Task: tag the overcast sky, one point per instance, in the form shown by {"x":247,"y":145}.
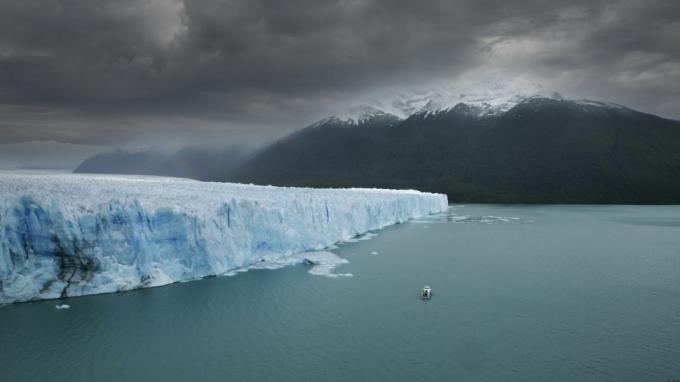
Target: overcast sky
{"x":145,"y":72}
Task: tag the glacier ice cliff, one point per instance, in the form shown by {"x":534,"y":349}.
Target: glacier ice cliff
{"x":69,"y":235}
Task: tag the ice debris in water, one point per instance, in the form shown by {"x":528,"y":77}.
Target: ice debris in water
{"x":366,"y":236}
{"x":322,"y":263}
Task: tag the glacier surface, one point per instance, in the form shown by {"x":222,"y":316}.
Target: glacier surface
{"x":73,"y":234}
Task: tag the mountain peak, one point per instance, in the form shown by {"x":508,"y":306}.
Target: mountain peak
{"x":584,"y":104}
{"x":483,"y":103}
{"x":487,"y":97}
{"x":357,"y":116}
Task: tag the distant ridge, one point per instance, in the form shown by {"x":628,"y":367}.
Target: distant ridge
{"x":190,"y":162}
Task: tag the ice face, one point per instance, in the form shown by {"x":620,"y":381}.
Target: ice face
{"x":69,"y":235}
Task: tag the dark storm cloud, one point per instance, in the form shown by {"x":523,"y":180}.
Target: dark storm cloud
{"x":137,"y":68}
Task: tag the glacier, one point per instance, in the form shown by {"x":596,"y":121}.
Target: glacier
{"x":64,"y":235}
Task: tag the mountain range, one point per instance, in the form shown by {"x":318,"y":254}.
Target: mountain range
{"x":539,"y":149}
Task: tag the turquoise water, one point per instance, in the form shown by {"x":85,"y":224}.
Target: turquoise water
{"x":521,"y":293}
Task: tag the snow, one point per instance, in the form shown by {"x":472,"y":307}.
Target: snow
{"x":353,"y":116}
{"x":75,"y":234}
{"x":485,"y":98}
{"x":490,"y":97}
{"x":610,"y":105}
{"x":483,"y":103}
{"x":493,"y":101}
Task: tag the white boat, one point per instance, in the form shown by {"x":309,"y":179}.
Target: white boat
{"x":426,"y":294}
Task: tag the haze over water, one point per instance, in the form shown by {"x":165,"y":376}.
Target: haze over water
{"x":527,"y":293}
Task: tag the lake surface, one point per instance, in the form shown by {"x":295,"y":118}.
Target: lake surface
{"x":521,"y":293}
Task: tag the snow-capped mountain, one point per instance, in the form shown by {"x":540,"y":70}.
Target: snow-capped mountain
{"x":540,"y":148}
{"x":358,"y":116}
{"x":478,"y":99}
{"x":479,"y":104}
{"x":484,"y":99}
{"x":482,"y":105}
